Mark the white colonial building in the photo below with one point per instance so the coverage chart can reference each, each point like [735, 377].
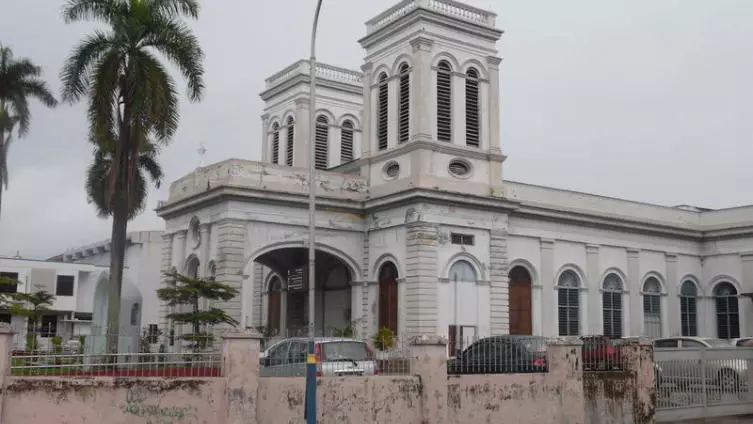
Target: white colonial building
[417, 230]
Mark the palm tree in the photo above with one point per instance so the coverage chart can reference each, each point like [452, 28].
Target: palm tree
[19, 80]
[132, 98]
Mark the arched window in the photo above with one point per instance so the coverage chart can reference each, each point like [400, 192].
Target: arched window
[727, 312]
[383, 112]
[568, 303]
[403, 123]
[275, 143]
[444, 101]
[689, 309]
[212, 271]
[322, 139]
[612, 306]
[291, 137]
[462, 271]
[652, 327]
[346, 142]
[135, 314]
[192, 267]
[472, 111]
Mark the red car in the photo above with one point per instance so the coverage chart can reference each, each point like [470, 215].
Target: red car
[601, 353]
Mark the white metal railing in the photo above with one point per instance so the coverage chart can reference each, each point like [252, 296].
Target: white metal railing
[697, 383]
[447, 7]
[302, 67]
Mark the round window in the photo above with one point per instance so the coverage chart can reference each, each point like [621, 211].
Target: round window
[391, 170]
[459, 168]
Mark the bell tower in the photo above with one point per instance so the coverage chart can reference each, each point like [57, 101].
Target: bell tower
[431, 99]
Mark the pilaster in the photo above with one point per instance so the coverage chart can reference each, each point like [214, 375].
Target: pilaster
[266, 153]
[671, 322]
[257, 307]
[366, 317]
[499, 295]
[421, 90]
[549, 309]
[204, 231]
[633, 283]
[366, 136]
[167, 261]
[231, 241]
[595, 319]
[421, 276]
[301, 134]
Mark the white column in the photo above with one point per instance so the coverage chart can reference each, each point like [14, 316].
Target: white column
[334, 145]
[458, 108]
[671, 322]
[549, 311]
[204, 251]
[393, 110]
[634, 284]
[493, 103]
[595, 324]
[301, 134]
[179, 250]
[266, 152]
[367, 137]
[423, 103]
[745, 304]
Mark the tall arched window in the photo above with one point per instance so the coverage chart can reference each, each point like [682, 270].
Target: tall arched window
[444, 101]
[727, 312]
[612, 306]
[322, 139]
[568, 303]
[462, 271]
[472, 111]
[652, 327]
[689, 309]
[275, 143]
[291, 137]
[135, 314]
[403, 124]
[346, 141]
[463, 325]
[383, 112]
[192, 267]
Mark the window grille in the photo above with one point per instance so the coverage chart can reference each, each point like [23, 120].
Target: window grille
[291, 137]
[275, 142]
[472, 112]
[382, 112]
[322, 138]
[403, 130]
[346, 142]
[568, 304]
[444, 101]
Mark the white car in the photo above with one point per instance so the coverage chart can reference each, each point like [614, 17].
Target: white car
[727, 374]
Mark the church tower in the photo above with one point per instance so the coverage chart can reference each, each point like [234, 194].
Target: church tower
[285, 122]
[431, 99]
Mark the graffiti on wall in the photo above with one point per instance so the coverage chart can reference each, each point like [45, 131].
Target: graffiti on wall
[141, 403]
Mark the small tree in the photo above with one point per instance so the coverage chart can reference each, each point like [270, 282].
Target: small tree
[181, 291]
[29, 305]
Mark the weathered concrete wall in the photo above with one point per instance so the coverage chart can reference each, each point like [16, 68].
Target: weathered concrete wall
[350, 400]
[627, 396]
[113, 401]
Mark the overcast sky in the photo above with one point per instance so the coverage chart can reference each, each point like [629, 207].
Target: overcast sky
[642, 99]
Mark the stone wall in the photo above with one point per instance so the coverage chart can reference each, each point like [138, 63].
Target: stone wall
[426, 396]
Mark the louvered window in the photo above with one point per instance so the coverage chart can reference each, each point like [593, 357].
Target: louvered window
[382, 112]
[444, 101]
[322, 138]
[472, 112]
[652, 308]
[291, 137]
[612, 306]
[346, 142]
[568, 303]
[275, 142]
[689, 309]
[403, 130]
[727, 311]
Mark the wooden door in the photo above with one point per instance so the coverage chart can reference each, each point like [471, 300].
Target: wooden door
[274, 308]
[521, 321]
[388, 301]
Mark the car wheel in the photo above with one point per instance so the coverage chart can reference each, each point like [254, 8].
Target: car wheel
[729, 380]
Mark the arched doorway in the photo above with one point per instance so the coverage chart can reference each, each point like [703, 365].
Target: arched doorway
[332, 300]
[274, 306]
[521, 321]
[388, 297]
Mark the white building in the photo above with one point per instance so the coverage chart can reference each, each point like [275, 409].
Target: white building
[75, 311]
[418, 231]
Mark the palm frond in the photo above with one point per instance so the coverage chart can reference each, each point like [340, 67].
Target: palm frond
[97, 10]
[38, 89]
[155, 99]
[187, 8]
[76, 70]
[180, 46]
[103, 99]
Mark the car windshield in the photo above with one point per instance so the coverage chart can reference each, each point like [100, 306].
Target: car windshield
[338, 351]
[718, 342]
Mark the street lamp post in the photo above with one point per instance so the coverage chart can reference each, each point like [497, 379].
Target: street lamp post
[310, 409]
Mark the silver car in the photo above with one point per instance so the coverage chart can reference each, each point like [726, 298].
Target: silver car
[728, 373]
[335, 357]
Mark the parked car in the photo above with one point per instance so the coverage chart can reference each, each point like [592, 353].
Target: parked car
[742, 342]
[334, 357]
[501, 354]
[601, 353]
[727, 374]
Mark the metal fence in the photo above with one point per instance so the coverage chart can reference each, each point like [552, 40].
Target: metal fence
[148, 355]
[337, 354]
[703, 382]
[498, 355]
[599, 353]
